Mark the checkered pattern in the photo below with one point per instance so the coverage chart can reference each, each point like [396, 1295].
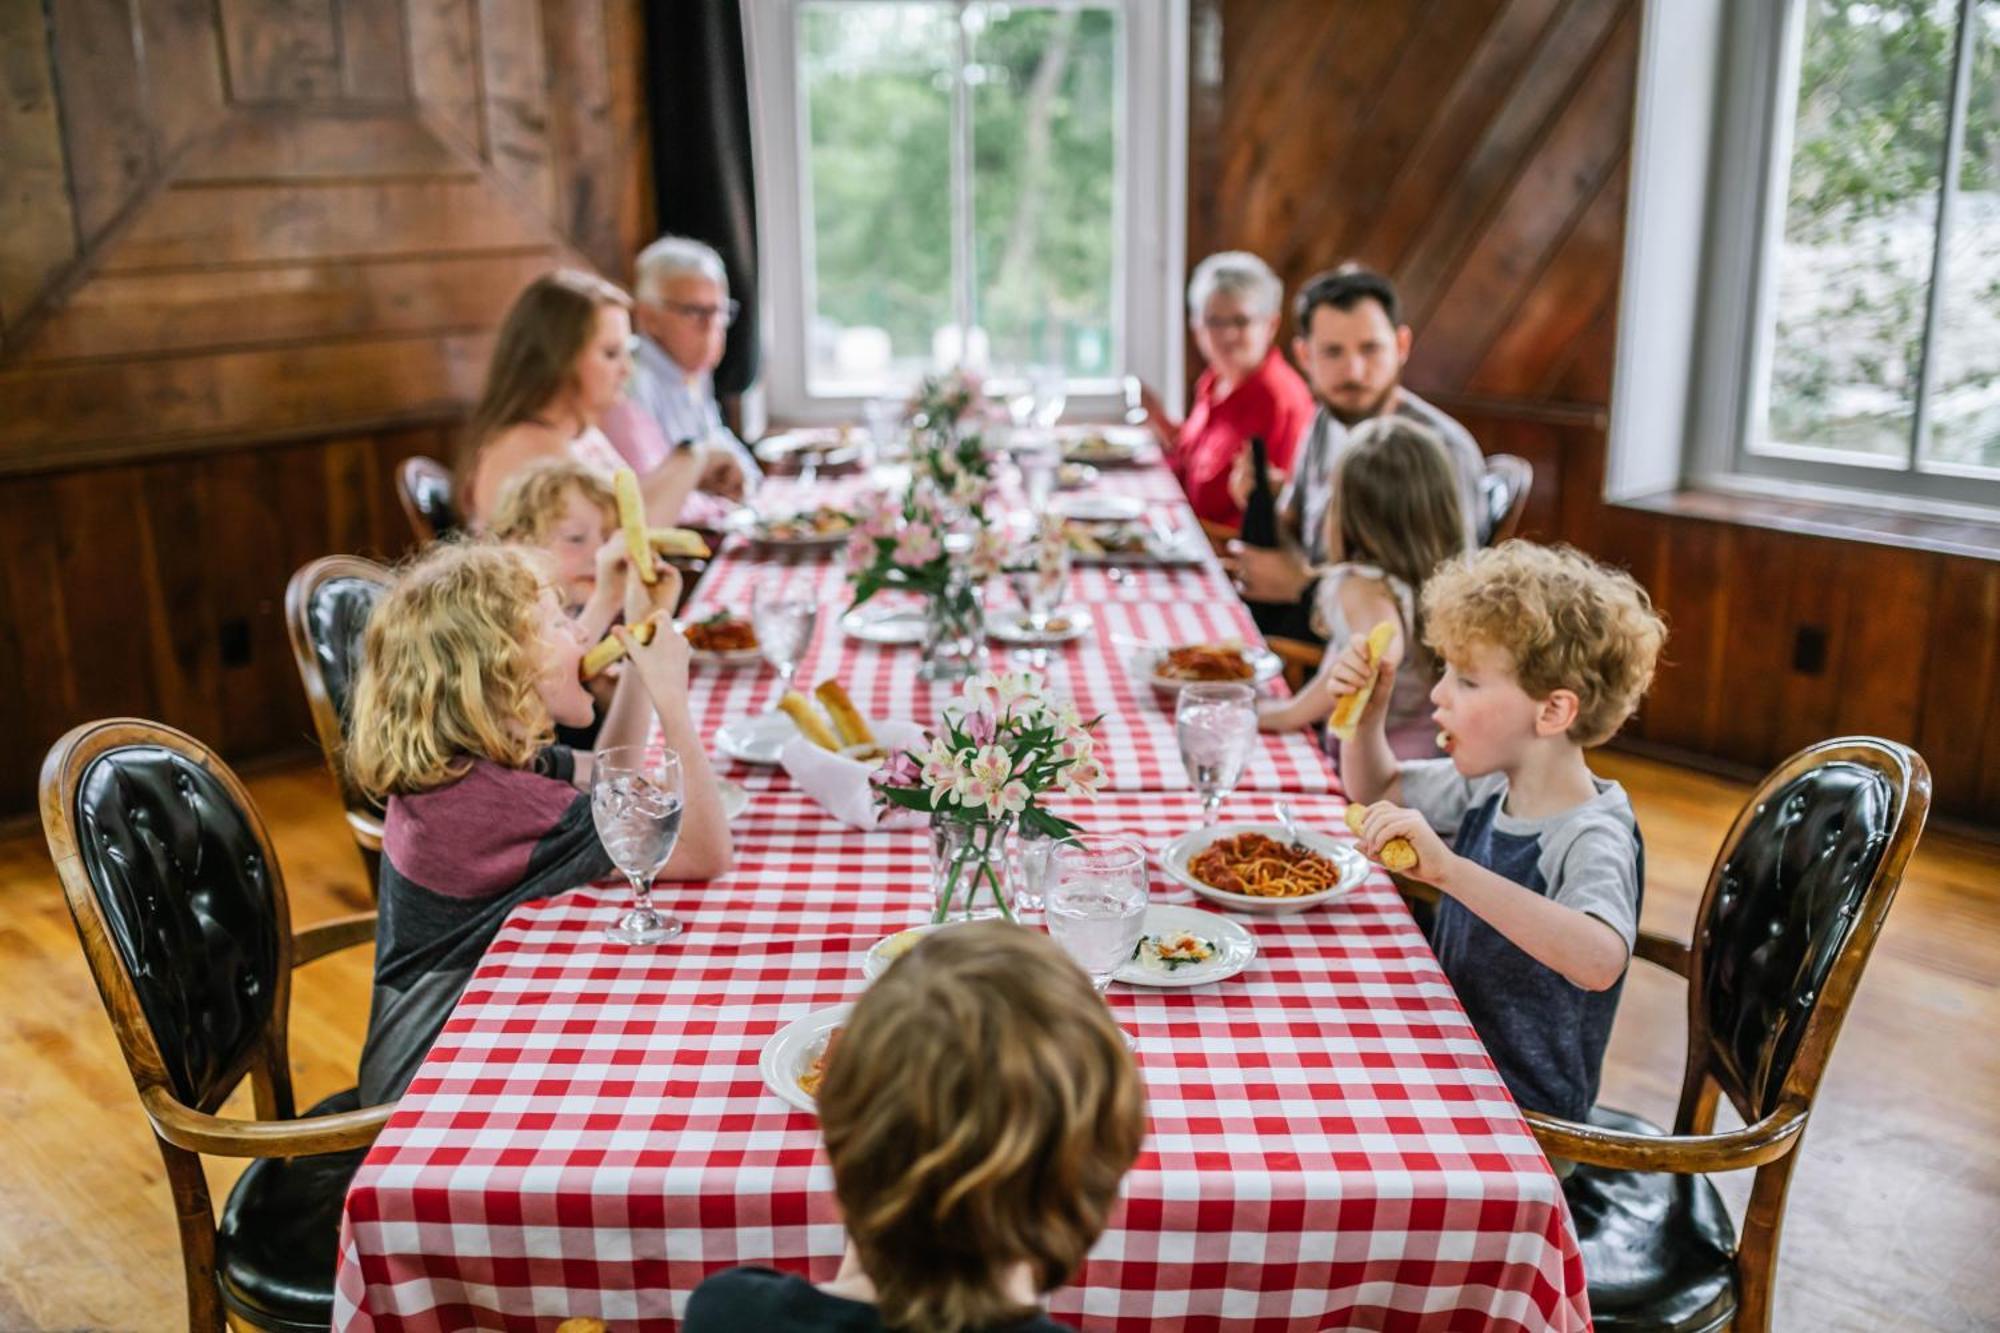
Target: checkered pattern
[1329, 1145]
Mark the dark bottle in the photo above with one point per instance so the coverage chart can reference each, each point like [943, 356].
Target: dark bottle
[1260, 511]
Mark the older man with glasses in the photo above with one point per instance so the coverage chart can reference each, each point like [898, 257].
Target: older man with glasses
[683, 312]
[1247, 390]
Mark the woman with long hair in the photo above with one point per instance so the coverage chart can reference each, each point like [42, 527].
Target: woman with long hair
[561, 361]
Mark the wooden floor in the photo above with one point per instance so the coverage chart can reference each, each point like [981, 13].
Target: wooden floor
[1892, 1213]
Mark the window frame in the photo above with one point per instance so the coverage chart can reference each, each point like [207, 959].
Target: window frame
[1147, 296]
[1757, 87]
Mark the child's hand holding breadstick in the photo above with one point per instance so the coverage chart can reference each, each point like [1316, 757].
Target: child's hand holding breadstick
[1402, 840]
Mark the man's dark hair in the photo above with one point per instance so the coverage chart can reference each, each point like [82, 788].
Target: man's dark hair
[1344, 288]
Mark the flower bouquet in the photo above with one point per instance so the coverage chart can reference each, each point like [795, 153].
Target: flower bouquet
[942, 401]
[994, 755]
[901, 544]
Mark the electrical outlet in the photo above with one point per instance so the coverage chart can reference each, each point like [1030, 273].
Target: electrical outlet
[1809, 650]
[234, 638]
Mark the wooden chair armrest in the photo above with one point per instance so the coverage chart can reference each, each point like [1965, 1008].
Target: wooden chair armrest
[185, 1127]
[1297, 652]
[366, 828]
[1663, 952]
[343, 932]
[1685, 1154]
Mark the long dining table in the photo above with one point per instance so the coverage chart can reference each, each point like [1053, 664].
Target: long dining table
[1328, 1145]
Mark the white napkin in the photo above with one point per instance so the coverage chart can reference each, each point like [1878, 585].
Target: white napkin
[840, 785]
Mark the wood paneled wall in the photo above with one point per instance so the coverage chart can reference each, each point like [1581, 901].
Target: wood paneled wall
[255, 253]
[1477, 151]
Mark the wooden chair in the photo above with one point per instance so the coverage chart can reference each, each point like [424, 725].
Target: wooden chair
[180, 905]
[1793, 904]
[1503, 490]
[425, 487]
[327, 605]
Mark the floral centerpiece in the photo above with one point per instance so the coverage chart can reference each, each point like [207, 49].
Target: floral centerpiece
[995, 754]
[943, 401]
[903, 544]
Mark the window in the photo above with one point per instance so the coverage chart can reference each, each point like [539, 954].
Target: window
[1871, 250]
[943, 182]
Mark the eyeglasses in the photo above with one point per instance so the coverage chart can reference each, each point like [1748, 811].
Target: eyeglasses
[705, 314]
[1233, 324]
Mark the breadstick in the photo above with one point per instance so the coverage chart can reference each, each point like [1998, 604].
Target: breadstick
[1347, 710]
[800, 710]
[1396, 854]
[853, 727]
[632, 518]
[609, 650]
[683, 542]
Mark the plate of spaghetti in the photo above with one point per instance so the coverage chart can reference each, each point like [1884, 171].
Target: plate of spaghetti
[1170, 668]
[794, 1060]
[1255, 867]
[722, 639]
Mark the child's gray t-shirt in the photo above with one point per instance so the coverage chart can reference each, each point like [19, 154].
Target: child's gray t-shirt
[1546, 1035]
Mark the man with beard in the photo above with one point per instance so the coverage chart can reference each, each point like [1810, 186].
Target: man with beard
[1351, 345]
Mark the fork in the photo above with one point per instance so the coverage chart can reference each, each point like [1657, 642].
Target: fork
[1291, 825]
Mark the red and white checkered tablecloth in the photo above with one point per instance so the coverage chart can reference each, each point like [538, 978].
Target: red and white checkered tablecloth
[1329, 1146]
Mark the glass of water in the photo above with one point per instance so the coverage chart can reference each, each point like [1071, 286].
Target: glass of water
[1039, 581]
[1216, 725]
[1050, 395]
[1096, 906]
[1038, 460]
[783, 615]
[1031, 877]
[636, 802]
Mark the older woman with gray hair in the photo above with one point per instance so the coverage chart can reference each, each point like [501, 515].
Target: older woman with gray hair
[683, 312]
[1248, 389]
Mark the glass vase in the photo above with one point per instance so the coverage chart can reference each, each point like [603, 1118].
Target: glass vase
[954, 630]
[970, 874]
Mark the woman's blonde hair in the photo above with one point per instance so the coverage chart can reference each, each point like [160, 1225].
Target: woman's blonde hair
[1396, 505]
[1565, 622]
[535, 355]
[532, 501]
[979, 1110]
[448, 670]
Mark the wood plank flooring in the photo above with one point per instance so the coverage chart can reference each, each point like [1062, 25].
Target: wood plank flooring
[1891, 1214]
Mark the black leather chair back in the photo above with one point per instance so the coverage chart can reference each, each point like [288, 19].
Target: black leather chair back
[336, 615]
[427, 498]
[1786, 902]
[1503, 497]
[179, 871]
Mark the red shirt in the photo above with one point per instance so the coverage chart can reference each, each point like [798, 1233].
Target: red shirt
[1272, 402]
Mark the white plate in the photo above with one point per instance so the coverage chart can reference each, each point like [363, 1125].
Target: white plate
[756, 739]
[791, 1050]
[746, 522]
[735, 797]
[1162, 547]
[1012, 627]
[790, 447]
[1265, 665]
[1104, 445]
[1075, 476]
[1101, 508]
[1234, 948]
[876, 961]
[885, 624]
[1353, 867]
[737, 657]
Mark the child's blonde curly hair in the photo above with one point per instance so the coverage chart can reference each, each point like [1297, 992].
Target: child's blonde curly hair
[1565, 622]
[531, 503]
[448, 672]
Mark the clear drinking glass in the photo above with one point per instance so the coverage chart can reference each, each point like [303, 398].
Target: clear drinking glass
[1216, 725]
[783, 615]
[1040, 584]
[1096, 904]
[1051, 395]
[636, 802]
[1038, 460]
[1031, 878]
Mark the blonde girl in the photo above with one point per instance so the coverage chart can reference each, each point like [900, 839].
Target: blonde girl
[1395, 517]
[566, 511]
[469, 662]
[559, 364]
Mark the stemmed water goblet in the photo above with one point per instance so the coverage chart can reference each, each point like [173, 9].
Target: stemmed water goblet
[636, 802]
[783, 616]
[1216, 725]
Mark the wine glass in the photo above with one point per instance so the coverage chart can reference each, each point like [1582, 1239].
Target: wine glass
[783, 617]
[1038, 461]
[636, 804]
[1096, 908]
[1040, 582]
[1216, 725]
[1050, 393]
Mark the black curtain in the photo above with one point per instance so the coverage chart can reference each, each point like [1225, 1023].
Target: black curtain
[698, 105]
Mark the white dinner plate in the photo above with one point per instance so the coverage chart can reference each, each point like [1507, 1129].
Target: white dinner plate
[791, 1050]
[891, 947]
[885, 624]
[749, 524]
[1351, 866]
[1075, 476]
[1101, 508]
[1234, 948]
[735, 797]
[1160, 546]
[756, 739]
[1104, 446]
[737, 657]
[1012, 627]
[1265, 665]
[834, 447]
